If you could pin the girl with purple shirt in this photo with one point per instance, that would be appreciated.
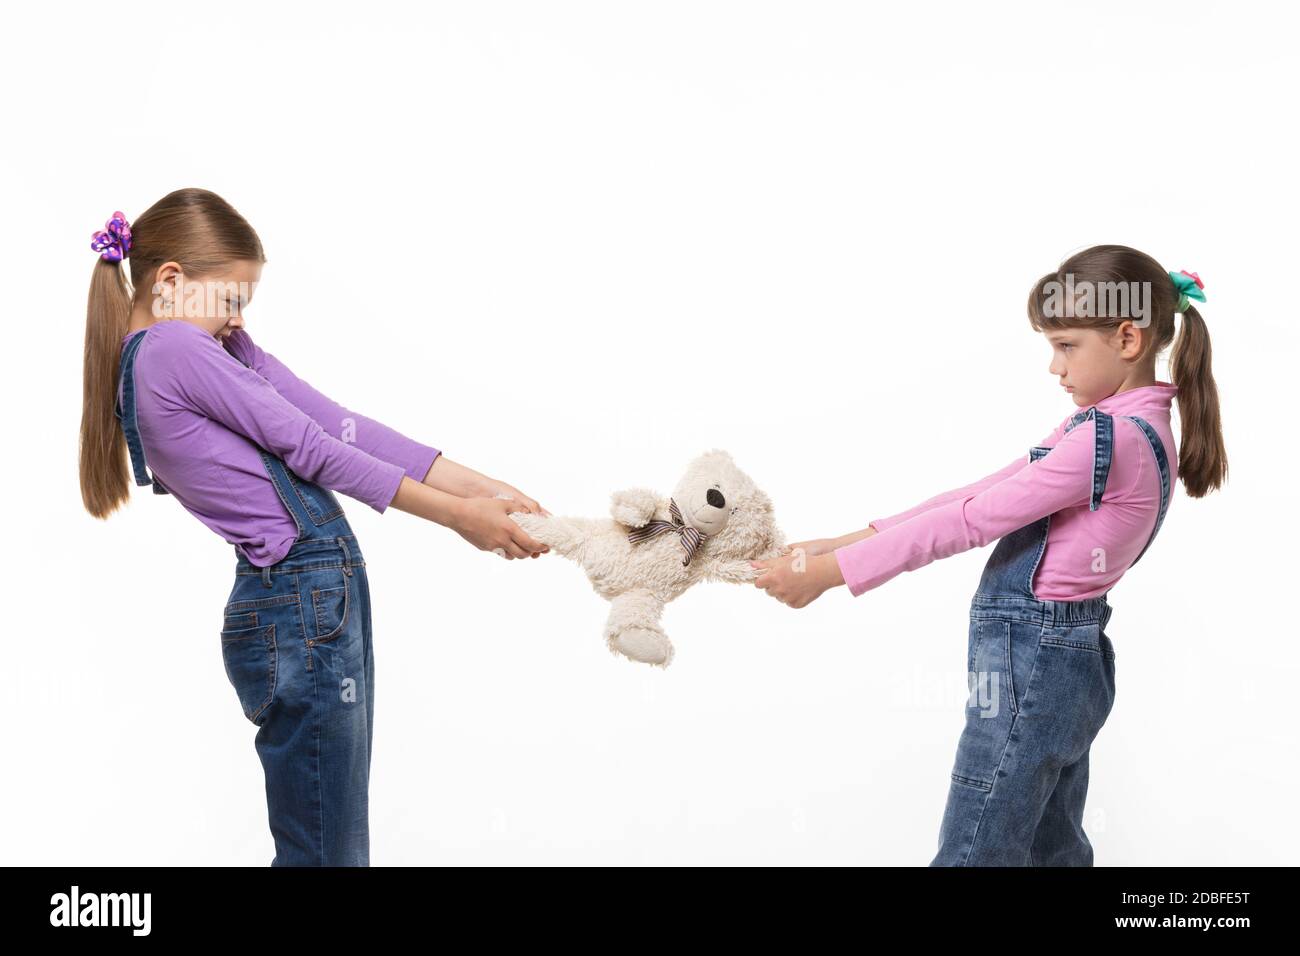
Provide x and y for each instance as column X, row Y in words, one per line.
column 177, row 395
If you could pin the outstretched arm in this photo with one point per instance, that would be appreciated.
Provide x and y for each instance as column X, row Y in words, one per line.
column 371, row 436
column 198, row 374
column 1060, row 480
column 483, row 522
column 988, row 481
column 419, row 461
column 820, row 546
column 464, row 482
column 815, row 547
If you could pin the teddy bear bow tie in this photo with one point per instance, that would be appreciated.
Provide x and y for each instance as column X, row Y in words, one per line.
column 690, row 538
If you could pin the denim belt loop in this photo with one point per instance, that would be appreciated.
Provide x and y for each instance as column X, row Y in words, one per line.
column 266, row 576
column 347, row 556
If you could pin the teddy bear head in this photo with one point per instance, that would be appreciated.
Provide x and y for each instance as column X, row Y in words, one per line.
column 723, row 504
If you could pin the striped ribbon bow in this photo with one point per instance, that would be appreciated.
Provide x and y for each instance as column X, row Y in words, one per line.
column 691, row 539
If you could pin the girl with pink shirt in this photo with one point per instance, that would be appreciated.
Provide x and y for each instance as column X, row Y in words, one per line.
column 1070, row 518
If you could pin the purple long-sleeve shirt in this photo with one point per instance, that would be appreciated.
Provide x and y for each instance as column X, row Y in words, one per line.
column 203, row 414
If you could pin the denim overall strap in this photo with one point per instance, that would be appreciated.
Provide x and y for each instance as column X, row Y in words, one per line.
column 315, row 510
column 125, row 411
column 317, row 514
column 1101, row 452
column 1008, row 578
column 1162, row 465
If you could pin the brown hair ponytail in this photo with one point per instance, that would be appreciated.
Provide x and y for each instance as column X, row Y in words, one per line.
column 194, row 228
column 103, row 446
column 1202, row 459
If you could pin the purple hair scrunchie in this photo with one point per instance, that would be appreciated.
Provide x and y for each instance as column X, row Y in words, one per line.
column 113, row 242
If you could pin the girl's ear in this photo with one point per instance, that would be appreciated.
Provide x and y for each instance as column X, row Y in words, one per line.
column 1130, row 339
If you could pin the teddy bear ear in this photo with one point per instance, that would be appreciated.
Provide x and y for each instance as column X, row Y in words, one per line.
column 718, row 453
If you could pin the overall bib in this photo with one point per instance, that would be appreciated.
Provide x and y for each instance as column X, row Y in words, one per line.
column 1042, row 683
column 296, row 643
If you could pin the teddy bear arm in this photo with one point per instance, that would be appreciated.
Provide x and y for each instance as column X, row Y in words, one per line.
column 565, row 536
column 633, row 507
column 733, row 572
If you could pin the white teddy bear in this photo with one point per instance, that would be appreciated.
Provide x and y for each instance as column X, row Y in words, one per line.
column 654, row 548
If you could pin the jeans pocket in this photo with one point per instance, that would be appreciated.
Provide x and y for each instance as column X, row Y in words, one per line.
column 989, row 707
column 1025, row 650
column 330, row 604
column 1077, row 687
column 1003, row 664
column 248, row 651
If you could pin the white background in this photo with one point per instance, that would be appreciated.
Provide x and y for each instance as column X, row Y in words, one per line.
column 574, row 246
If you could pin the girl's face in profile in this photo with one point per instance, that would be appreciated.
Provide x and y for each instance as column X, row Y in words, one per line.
column 215, row 303
column 1092, row 364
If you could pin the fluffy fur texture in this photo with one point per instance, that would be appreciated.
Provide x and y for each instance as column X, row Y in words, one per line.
column 714, row 497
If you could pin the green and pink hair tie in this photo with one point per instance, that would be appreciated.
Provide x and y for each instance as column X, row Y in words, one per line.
column 1189, row 286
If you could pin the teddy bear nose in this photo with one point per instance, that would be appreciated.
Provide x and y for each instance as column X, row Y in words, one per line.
column 714, row 497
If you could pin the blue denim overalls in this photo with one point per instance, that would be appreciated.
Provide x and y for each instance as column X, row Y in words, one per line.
column 296, row 642
column 1042, row 682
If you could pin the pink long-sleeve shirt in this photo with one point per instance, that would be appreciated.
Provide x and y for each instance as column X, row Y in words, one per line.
column 203, row 416
column 1087, row 551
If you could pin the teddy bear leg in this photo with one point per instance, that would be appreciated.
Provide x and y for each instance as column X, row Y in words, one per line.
column 633, row 629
